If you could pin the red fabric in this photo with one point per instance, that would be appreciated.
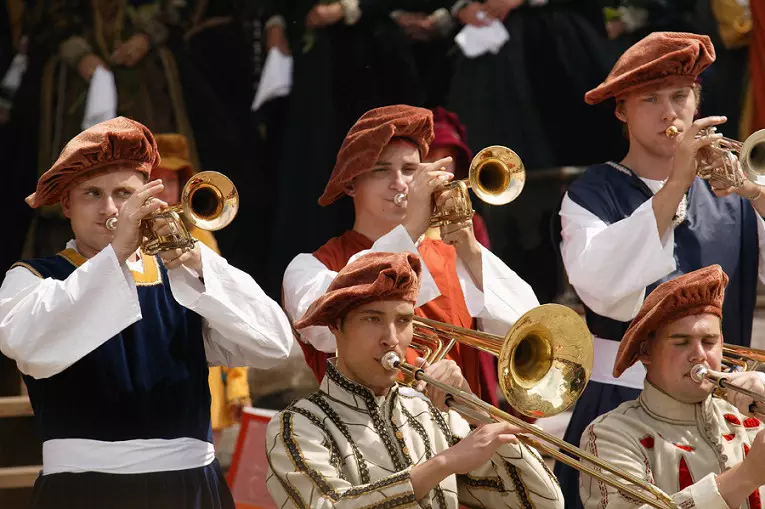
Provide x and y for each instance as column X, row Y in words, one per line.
column 752, row 422
column 368, row 137
column 450, row 133
column 117, row 144
column 449, row 307
column 696, row 293
column 729, row 436
column 757, row 65
column 659, row 60
column 372, row 277
column 732, row 419
column 685, row 478
column 684, row 447
column 754, row 497
column 647, row 442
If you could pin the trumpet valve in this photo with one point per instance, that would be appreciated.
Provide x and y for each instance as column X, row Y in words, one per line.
column 111, row 223
column 671, row 131
column 390, row 360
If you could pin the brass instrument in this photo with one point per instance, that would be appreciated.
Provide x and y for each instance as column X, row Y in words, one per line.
column 545, row 362
column 741, row 358
column 209, row 201
column 728, row 160
column 496, row 175
column 699, row 373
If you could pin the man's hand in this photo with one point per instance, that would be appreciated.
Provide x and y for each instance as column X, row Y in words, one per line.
column 276, row 38
column 127, row 236
column 474, row 14
column 323, row 15
column 176, row 257
column 684, row 163
column 88, row 65
column 462, row 237
column 418, row 26
column 419, row 200
column 746, row 380
column 499, row 9
column 445, row 371
column 131, row 51
column 479, row 446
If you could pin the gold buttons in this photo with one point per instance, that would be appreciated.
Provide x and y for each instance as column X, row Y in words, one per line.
column 399, row 435
column 405, row 450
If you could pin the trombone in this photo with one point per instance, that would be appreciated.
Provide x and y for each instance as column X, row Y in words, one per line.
column 545, row 362
column 496, row 175
column 699, row 373
column 209, row 201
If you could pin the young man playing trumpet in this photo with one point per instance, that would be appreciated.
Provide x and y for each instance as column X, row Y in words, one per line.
column 704, row 451
column 463, row 284
column 628, row 226
column 364, row 441
column 114, row 344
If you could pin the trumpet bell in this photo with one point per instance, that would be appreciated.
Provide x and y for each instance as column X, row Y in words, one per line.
column 752, row 157
column 210, row 200
column 497, row 175
column 545, row 361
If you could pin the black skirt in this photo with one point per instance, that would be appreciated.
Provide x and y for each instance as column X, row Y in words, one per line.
column 195, row 488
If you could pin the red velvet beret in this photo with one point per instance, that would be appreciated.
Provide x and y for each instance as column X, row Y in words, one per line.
column 450, row 133
column 697, row 293
column 116, row 144
column 372, row 277
column 661, row 59
column 368, row 137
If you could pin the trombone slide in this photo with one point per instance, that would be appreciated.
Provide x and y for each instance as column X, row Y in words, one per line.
column 699, row 373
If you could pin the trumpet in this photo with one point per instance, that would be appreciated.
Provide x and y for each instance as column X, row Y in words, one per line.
column 728, row 160
column 545, row 361
column 699, row 373
column 496, row 175
column 209, row 201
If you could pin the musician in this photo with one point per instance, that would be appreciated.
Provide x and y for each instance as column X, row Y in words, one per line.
column 463, row 283
column 363, row 441
column 114, row 344
column 702, row 450
column 628, row 226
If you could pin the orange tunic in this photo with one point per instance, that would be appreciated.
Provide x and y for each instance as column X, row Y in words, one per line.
column 441, row 259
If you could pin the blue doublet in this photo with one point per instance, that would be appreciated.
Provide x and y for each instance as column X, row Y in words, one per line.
column 148, row 382
column 716, row 231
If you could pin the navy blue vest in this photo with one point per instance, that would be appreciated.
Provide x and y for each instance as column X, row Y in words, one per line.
column 149, row 381
column 716, row 231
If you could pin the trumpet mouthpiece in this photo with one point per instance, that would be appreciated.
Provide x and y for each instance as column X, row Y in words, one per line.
column 671, row 131
column 111, row 223
column 390, row 360
column 698, row 373
column 399, row 199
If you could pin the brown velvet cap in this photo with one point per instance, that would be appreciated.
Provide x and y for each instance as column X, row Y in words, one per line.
column 696, row 293
column 116, row 144
column 372, row 277
column 368, row 137
column 660, row 59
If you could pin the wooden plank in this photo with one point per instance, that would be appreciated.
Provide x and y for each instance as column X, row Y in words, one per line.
column 19, row 477
column 15, row 406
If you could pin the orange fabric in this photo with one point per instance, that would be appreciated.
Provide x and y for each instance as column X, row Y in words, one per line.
column 449, row 307
column 757, row 65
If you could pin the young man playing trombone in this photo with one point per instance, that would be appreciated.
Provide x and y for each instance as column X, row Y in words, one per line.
column 628, row 226
column 114, row 344
column 364, row 441
column 463, row 284
column 703, row 450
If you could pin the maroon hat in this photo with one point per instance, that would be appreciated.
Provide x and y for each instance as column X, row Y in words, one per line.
column 116, row 144
column 699, row 292
column 661, row 59
column 372, row 277
column 450, row 133
column 368, row 137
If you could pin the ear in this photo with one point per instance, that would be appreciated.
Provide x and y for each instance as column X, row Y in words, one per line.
column 644, row 352
column 619, row 112
column 66, row 205
column 350, row 188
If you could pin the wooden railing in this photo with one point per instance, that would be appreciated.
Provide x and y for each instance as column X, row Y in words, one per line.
column 24, row 476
